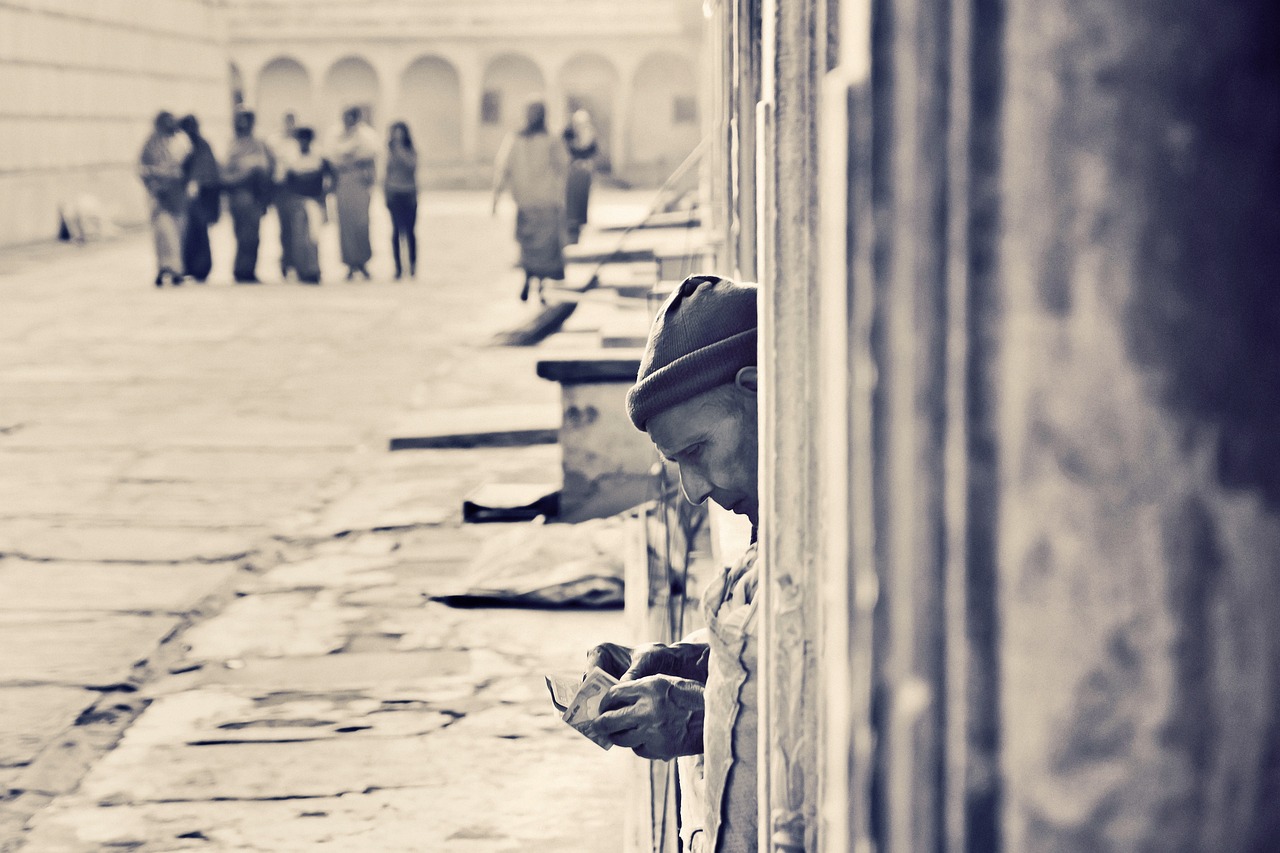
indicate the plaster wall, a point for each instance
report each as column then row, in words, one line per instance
column 1140, row 503
column 82, row 82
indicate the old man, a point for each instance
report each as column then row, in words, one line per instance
column 695, row 396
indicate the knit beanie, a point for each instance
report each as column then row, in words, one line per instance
column 703, row 335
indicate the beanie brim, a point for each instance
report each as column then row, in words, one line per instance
column 690, row 375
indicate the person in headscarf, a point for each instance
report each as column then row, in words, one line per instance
column 531, row 165
column 160, row 167
column 247, row 179
column 354, row 158
column 204, row 183
column 580, row 140
column 400, row 188
column 308, row 179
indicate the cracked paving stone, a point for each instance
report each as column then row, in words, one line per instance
column 30, row 717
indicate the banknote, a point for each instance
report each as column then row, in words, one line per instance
column 583, row 709
column 563, row 688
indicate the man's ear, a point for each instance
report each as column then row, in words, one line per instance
column 748, row 379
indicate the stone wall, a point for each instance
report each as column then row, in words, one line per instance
column 82, row 82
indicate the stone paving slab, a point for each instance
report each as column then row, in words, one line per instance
column 137, row 543
column 108, row 586
column 77, row 647
column 32, row 716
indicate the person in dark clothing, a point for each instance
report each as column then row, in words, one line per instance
column 160, row 167
column 205, row 189
column 308, row 179
column 247, row 178
column 401, row 190
column 580, row 140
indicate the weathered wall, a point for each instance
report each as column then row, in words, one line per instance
column 81, row 82
column 1139, row 415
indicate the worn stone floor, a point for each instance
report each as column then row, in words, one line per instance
column 213, row 630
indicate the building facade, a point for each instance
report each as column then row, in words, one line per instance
column 80, row 83
column 459, row 72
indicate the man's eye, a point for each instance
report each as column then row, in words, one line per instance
column 693, row 451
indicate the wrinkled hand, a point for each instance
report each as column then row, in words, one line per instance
column 683, row 660
column 658, row 716
column 611, row 657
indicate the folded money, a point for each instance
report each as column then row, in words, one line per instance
column 580, row 701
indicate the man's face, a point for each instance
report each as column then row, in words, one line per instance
column 713, row 438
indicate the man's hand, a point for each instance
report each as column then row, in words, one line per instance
column 658, row 716
column 683, row 660
column 611, row 657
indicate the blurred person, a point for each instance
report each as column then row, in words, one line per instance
column 580, row 140
column 283, row 145
column 696, row 397
column 308, row 180
column 247, row 180
column 160, row 167
column 204, row 187
column 400, row 187
column 354, row 158
column 532, row 166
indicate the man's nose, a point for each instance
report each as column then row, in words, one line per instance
column 695, row 486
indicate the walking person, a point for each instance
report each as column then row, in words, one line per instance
column 581, row 143
column 532, row 166
column 204, row 206
column 400, row 187
column 247, row 178
column 160, row 167
column 282, row 147
column 308, row 179
column 354, row 158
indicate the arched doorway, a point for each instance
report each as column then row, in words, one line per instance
column 284, row 86
column 663, row 122
column 509, row 80
column 430, row 102
column 590, row 82
column 351, row 82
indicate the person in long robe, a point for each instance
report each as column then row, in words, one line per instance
column 247, row 179
column 354, row 158
column 160, row 167
column 580, row 140
column 531, row 165
column 400, row 188
column 308, row 179
column 204, row 182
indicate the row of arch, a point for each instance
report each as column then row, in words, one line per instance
column 652, row 120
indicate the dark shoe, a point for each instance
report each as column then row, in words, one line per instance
column 160, row 279
column 351, row 273
column 249, row 280
column 524, row 291
column 200, row 279
column 399, row 275
column 364, row 272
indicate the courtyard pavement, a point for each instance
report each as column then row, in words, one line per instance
column 213, row 631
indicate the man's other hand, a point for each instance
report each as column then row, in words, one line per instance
column 683, row 660
column 658, row 716
column 611, row 657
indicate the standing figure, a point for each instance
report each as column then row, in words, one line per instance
column 580, row 140
column 283, row 146
column 205, row 205
column 160, row 167
column 532, row 166
column 401, row 191
column 247, row 178
column 308, row 179
column 354, row 156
